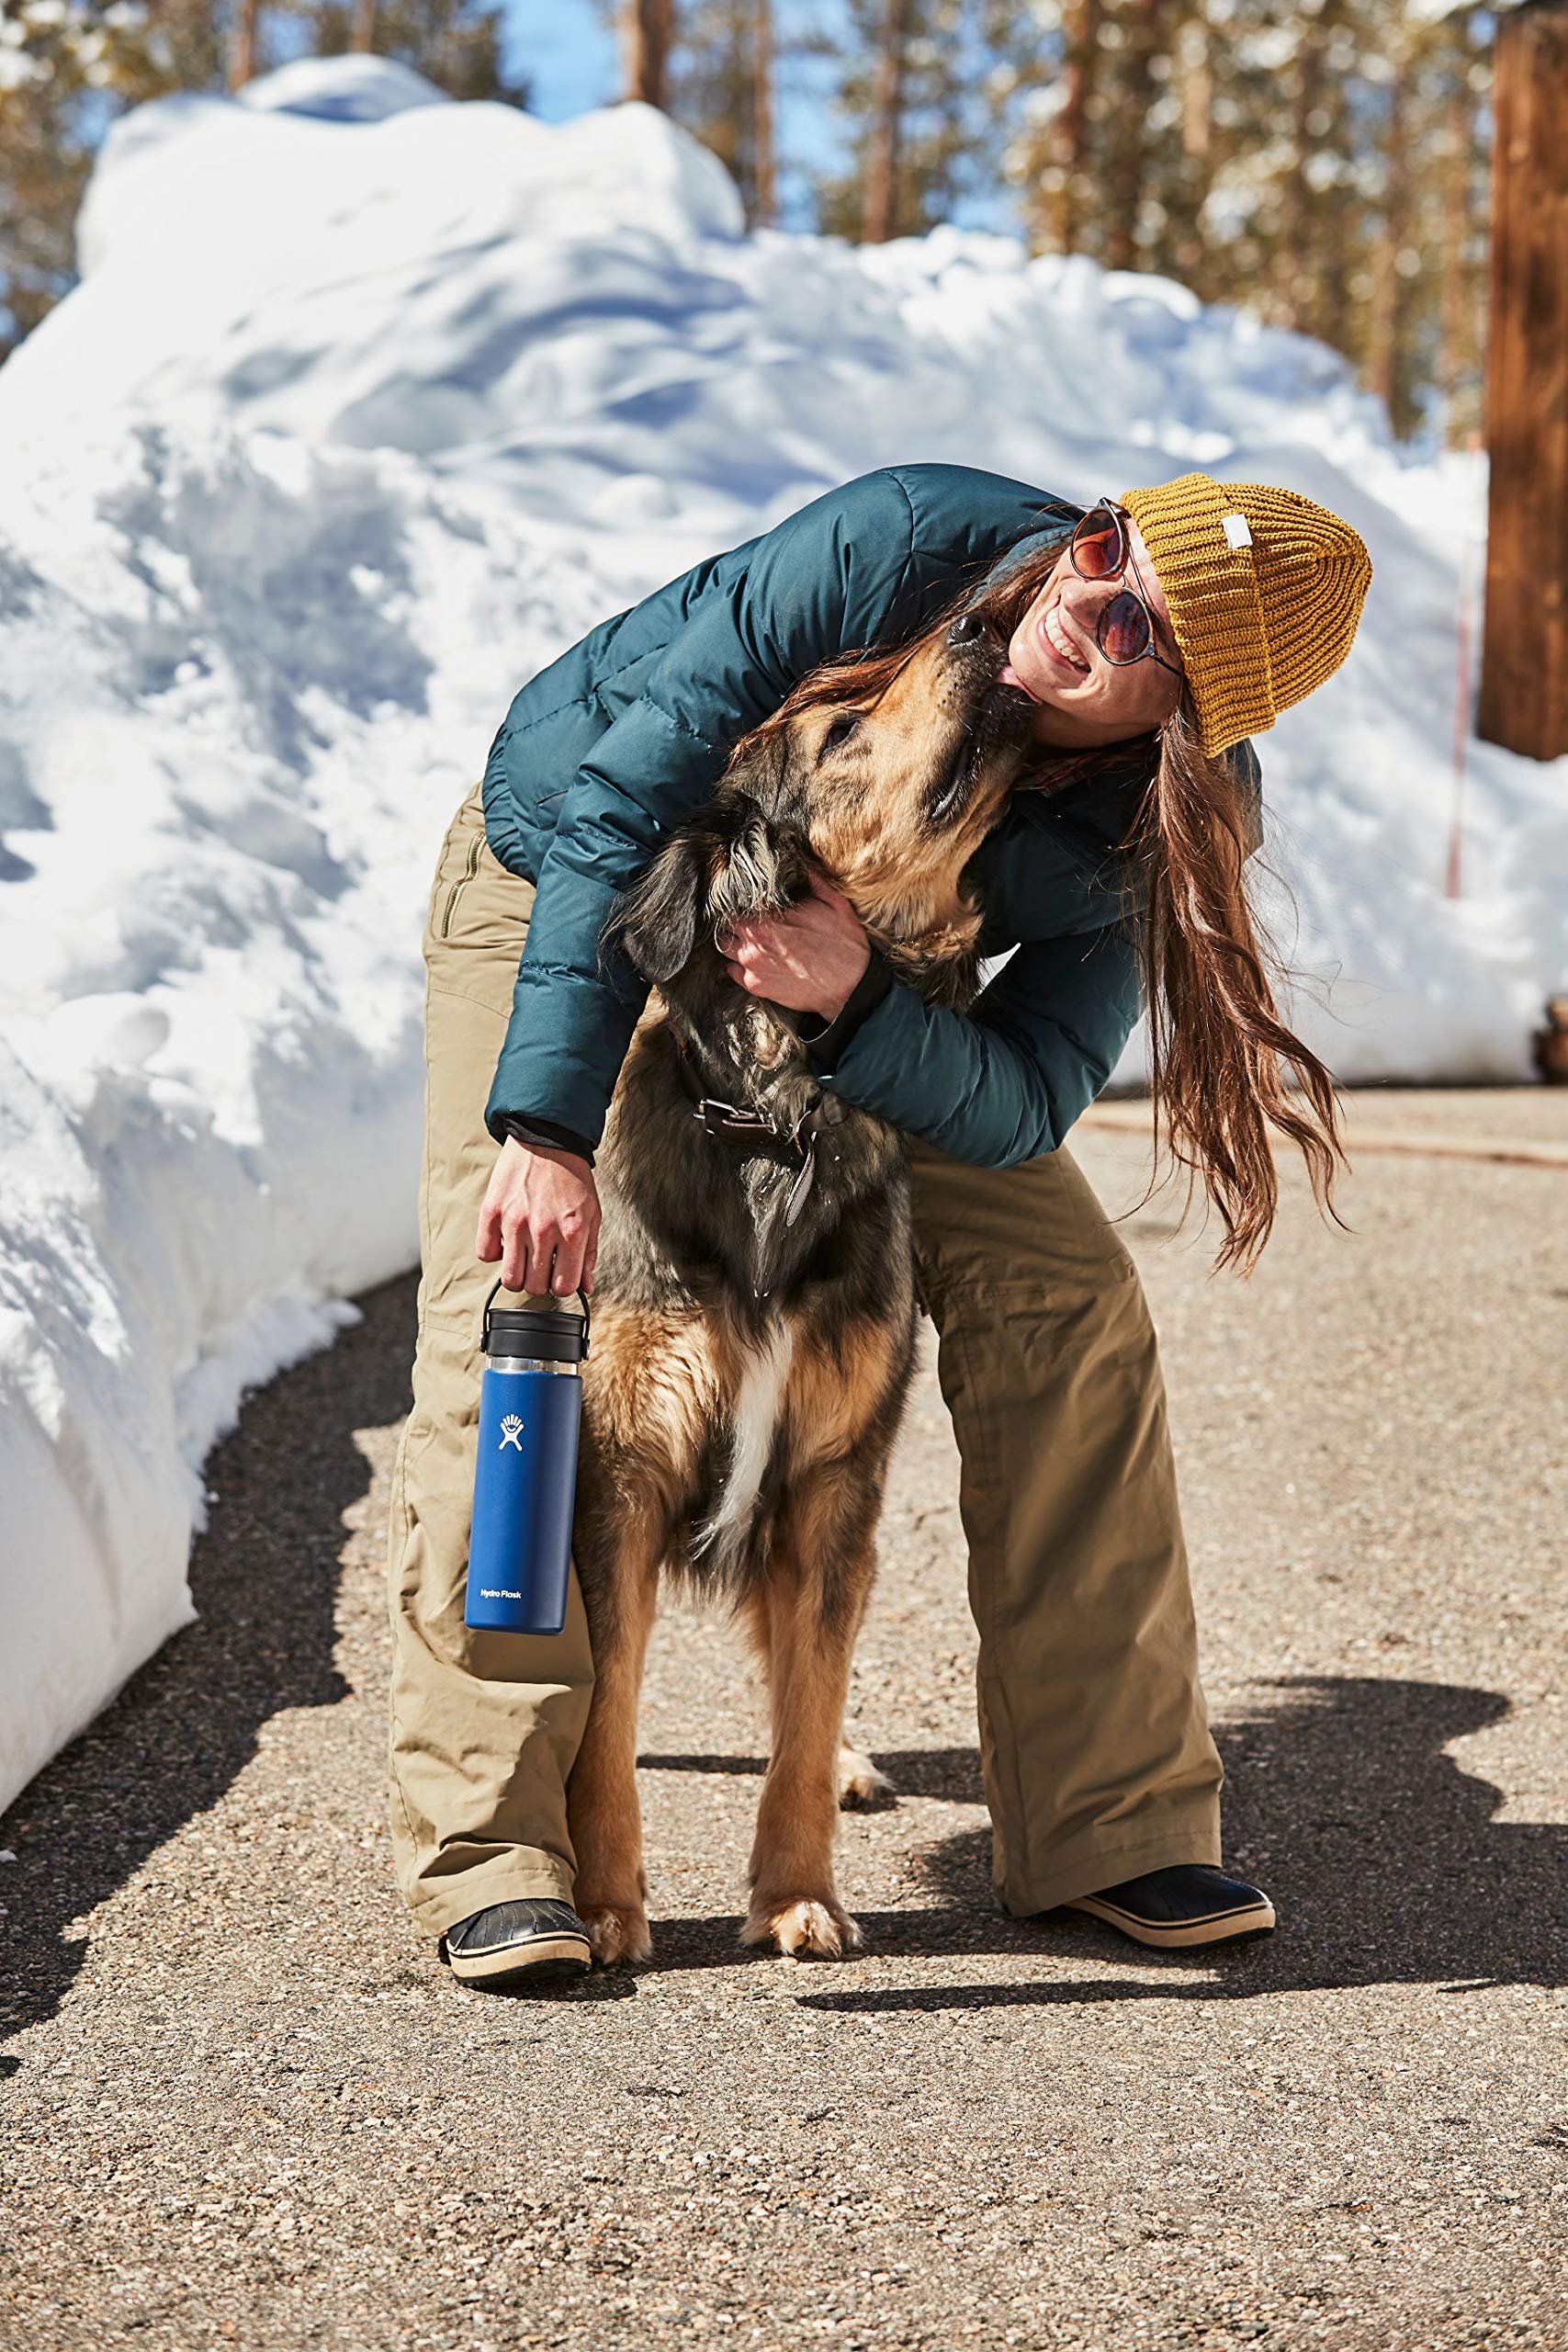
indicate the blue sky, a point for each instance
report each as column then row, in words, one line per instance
column 568, row 53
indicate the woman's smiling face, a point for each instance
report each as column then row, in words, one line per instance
column 1084, row 699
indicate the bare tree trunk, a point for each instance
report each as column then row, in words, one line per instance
column 1458, row 323
column 1296, row 282
column 1197, row 96
column 650, row 33
column 1524, row 670
column 762, row 115
column 1132, row 148
column 1391, row 372
column 879, row 210
column 1194, row 62
column 362, row 31
column 1078, row 75
column 242, row 46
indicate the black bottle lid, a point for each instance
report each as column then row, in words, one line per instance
column 542, row 1332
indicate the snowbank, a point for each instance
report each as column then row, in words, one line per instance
column 367, row 405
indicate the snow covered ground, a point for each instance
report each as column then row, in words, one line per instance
column 368, row 404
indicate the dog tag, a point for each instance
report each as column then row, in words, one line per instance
column 800, row 1190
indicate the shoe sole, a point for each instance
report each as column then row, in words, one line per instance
column 541, row 1961
column 1216, row 1928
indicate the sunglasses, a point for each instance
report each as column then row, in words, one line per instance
column 1124, row 628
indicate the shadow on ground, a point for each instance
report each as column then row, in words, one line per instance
column 265, row 1580
column 1384, row 1857
column 1384, row 1860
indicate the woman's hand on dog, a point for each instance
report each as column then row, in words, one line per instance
column 809, row 959
column 541, row 1219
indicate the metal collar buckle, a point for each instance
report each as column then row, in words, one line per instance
column 728, row 1123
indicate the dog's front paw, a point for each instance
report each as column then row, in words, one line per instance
column 804, row 1929
column 617, row 1932
column 860, row 1782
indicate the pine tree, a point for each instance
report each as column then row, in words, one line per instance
column 1320, row 162
column 456, row 44
column 907, row 92
column 44, row 163
column 68, row 67
column 712, row 89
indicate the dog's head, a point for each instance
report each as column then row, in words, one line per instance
column 895, row 792
column 890, row 797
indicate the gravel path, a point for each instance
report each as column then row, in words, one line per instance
column 245, row 2106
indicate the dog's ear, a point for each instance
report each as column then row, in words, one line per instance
column 655, row 923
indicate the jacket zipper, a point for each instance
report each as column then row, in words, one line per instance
column 467, row 874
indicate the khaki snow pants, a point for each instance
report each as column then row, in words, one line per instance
column 1094, row 1741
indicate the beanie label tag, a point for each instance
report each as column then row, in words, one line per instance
column 1236, row 529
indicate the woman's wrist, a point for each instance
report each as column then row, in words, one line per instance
column 854, row 962
column 545, row 1134
column 826, row 1041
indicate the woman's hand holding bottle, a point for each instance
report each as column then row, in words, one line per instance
column 541, row 1219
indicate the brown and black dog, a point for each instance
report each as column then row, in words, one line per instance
column 754, row 1322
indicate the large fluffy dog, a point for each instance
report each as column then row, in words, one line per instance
column 754, row 1311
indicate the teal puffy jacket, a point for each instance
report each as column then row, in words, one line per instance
column 625, row 733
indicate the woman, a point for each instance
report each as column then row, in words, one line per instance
column 1154, row 637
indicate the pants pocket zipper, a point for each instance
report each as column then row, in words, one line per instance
column 469, row 870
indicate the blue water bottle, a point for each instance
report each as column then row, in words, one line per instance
column 526, row 1473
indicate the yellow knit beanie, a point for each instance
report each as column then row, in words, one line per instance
column 1264, row 590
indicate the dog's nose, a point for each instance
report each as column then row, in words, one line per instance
column 966, row 628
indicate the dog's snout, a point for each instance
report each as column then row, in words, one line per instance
column 966, row 628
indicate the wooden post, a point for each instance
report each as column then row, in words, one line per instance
column 1524, row 668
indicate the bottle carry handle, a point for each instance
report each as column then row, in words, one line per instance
column 484, row 1327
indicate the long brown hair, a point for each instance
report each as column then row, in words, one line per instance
column 1219, row 1053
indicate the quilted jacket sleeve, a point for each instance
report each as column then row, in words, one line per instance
column 1005, row 1080
column 748, row 638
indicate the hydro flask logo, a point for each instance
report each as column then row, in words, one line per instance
column 511, row 1433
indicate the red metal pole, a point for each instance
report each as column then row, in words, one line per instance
column 1461, row 720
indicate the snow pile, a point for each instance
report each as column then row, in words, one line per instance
column 368, row 404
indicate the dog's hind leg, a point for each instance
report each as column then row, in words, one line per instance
column 806, row 1616
column 603, row 1812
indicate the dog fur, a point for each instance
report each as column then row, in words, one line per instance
column 748, row 1372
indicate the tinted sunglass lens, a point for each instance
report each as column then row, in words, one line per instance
column 1123, row 628
column 1098, row 549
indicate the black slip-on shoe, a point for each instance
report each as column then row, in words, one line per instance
column 1189, row 1903
column 515, row 1943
